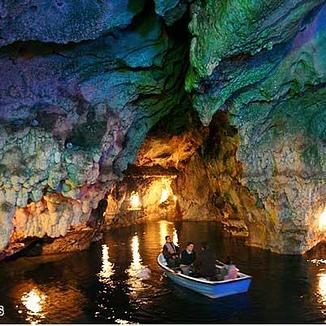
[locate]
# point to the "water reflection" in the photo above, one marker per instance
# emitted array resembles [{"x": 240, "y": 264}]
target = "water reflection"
[
  {"x": 123, "y": 322},
  {"x": 34, "y": 301},
  {"x": 104, "y": 284},
  {"x": 136, "y": 260},
  {"x": 136, "y": 269},
  {"x": 318, "y": 262},
  {"x": 107, "y": 270},
  {"x": 175, "y": 237},
  {"x": 322, "y": 288},
  {"x": 165, "y": 229}
]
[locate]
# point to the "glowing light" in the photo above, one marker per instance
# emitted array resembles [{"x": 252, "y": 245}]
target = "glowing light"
[
  {"x": 137, "y": 271},
  {"x": 163, "y": 231},
  {"x": 322, "y": 220},
  {"x": 165, "y": 195},
  {"x": 175, "y": 198},
  {"x": 136, "y": 260},
  {"x": 135, "y": 201},
  {"x": 318, "y": 262},
  {"x": 107, "y": 267},
  {"x": 175, "y": 237},
  {"x": 34, "y": 301},
  {"x": 322, "y": 288},
  {"x": 123, "y": 322}
]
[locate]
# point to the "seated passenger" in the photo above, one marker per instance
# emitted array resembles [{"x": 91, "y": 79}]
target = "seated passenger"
[
  {"x": 231, "y": 270},
  {"x": 188, "y": 257},
  {"x": 171, "y": 253},
  {"x": 205, "y": 262}
]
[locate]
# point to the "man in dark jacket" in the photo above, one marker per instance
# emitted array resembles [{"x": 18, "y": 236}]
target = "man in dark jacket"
[
  {"x": 205, "y": 262},
  {"x": 188, "y": 257},
  {"x": 171, "y": 252}
]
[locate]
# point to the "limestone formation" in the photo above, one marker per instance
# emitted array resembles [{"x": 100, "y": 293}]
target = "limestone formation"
[
  {"x": 263, "y": 62},
  {"x": 73, "y": 116},
  {"x": 89, "y": 88},
  {"x": 63, "y": 21}
]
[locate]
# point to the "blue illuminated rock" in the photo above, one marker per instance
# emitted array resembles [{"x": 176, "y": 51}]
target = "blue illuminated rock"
[
  {"x": 171, "y": 10},
  {"x": 83, "y": 82},
  {"x": 63, "y": 21},
  {"x": 73, "y": 117}
]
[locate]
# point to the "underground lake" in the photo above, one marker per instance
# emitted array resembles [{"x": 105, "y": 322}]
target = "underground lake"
[
  {"x": 106, "y": 283},
  {"x": 128, "y": 127}
]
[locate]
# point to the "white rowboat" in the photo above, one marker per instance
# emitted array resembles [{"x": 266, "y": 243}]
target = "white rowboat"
[{"x": 212, "y": 289}]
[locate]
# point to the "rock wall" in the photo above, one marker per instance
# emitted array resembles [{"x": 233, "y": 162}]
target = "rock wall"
[
  {"x": 81, "y": 85},
  {"x": 155, "y": 200},
  {"x": 263, "y": 62},
  {"x": 208, "y": 183}
]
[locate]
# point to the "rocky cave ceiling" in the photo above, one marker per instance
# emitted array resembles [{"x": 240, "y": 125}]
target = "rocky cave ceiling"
[{"x": 229, "y": 92}]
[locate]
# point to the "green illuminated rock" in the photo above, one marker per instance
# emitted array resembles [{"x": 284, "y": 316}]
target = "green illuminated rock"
[
  {"x": 237, "y": 44},
  {"x": 264, "y": 63}
]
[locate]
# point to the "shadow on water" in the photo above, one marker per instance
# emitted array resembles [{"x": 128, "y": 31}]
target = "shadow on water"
[{"x": 118, "y": 281}]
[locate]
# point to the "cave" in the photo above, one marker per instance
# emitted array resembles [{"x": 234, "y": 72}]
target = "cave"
[{"x": 149, "y": 105}]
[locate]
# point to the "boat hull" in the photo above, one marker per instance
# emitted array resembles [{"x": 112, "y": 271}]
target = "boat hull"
[{"x": 210, "y": 289}]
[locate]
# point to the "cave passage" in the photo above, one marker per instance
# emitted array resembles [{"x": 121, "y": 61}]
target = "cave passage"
[
  {"x": 123, "y": 121},
  {"x": 145, "y": 194}
]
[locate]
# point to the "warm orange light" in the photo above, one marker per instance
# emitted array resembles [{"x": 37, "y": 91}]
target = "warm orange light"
[
  {"x": 34, "y": 302},
  {"x": 164, "y": 231},
  {"x": 321, "y": 289},
  {"x": 107, "y": 267},
  {"x": 322, "y": 220},
  {"x": 136, "y": 260},
  {"x": 175, "y": 237},
  {"x": 164, "y": 195},
  {"x": 135, "y": 200},
  {"x": 136, "y": 271}
]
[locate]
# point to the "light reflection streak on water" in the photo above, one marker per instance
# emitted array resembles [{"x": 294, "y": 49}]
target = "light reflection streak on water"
[
  {"x": 164, "y": 231},
  {"x": 107, "y": 270},
  {"x": 136, "y": 260},
  {"x": 321, "y": 291},
  {"x": 322, "y": 286},
  {"x": 134, "y": 271},
  {"x": 318, "y": 262},
  {"x": 124, "y": 322},
  {"x": 175, "y": 237},
  {"x": 34, "y": 301}
]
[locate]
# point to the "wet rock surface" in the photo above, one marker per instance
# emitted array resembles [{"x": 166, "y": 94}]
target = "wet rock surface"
[
  {"x": 267, "y": 70},
  {"x": 88, "y": 88},
  {"x": 73, "y": 116}
]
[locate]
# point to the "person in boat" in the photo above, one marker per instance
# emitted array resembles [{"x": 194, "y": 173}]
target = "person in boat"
[
  {"x": 188, "y": 256},
  {"x": 231, "y": 270},
  {"x": 171, "y": 252},
  {"x": 205, "y": 262}
]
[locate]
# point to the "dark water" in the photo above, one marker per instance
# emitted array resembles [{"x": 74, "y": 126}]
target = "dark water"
[{"x": 103, "y": 284}]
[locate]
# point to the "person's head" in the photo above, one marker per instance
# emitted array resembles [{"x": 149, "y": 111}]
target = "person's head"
[
  {"x": 204, "y": 246},
  {"x": 228, "y": 260},
  {"x": 168, "y": 238},
  {"x": 190, "y": 246}
]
